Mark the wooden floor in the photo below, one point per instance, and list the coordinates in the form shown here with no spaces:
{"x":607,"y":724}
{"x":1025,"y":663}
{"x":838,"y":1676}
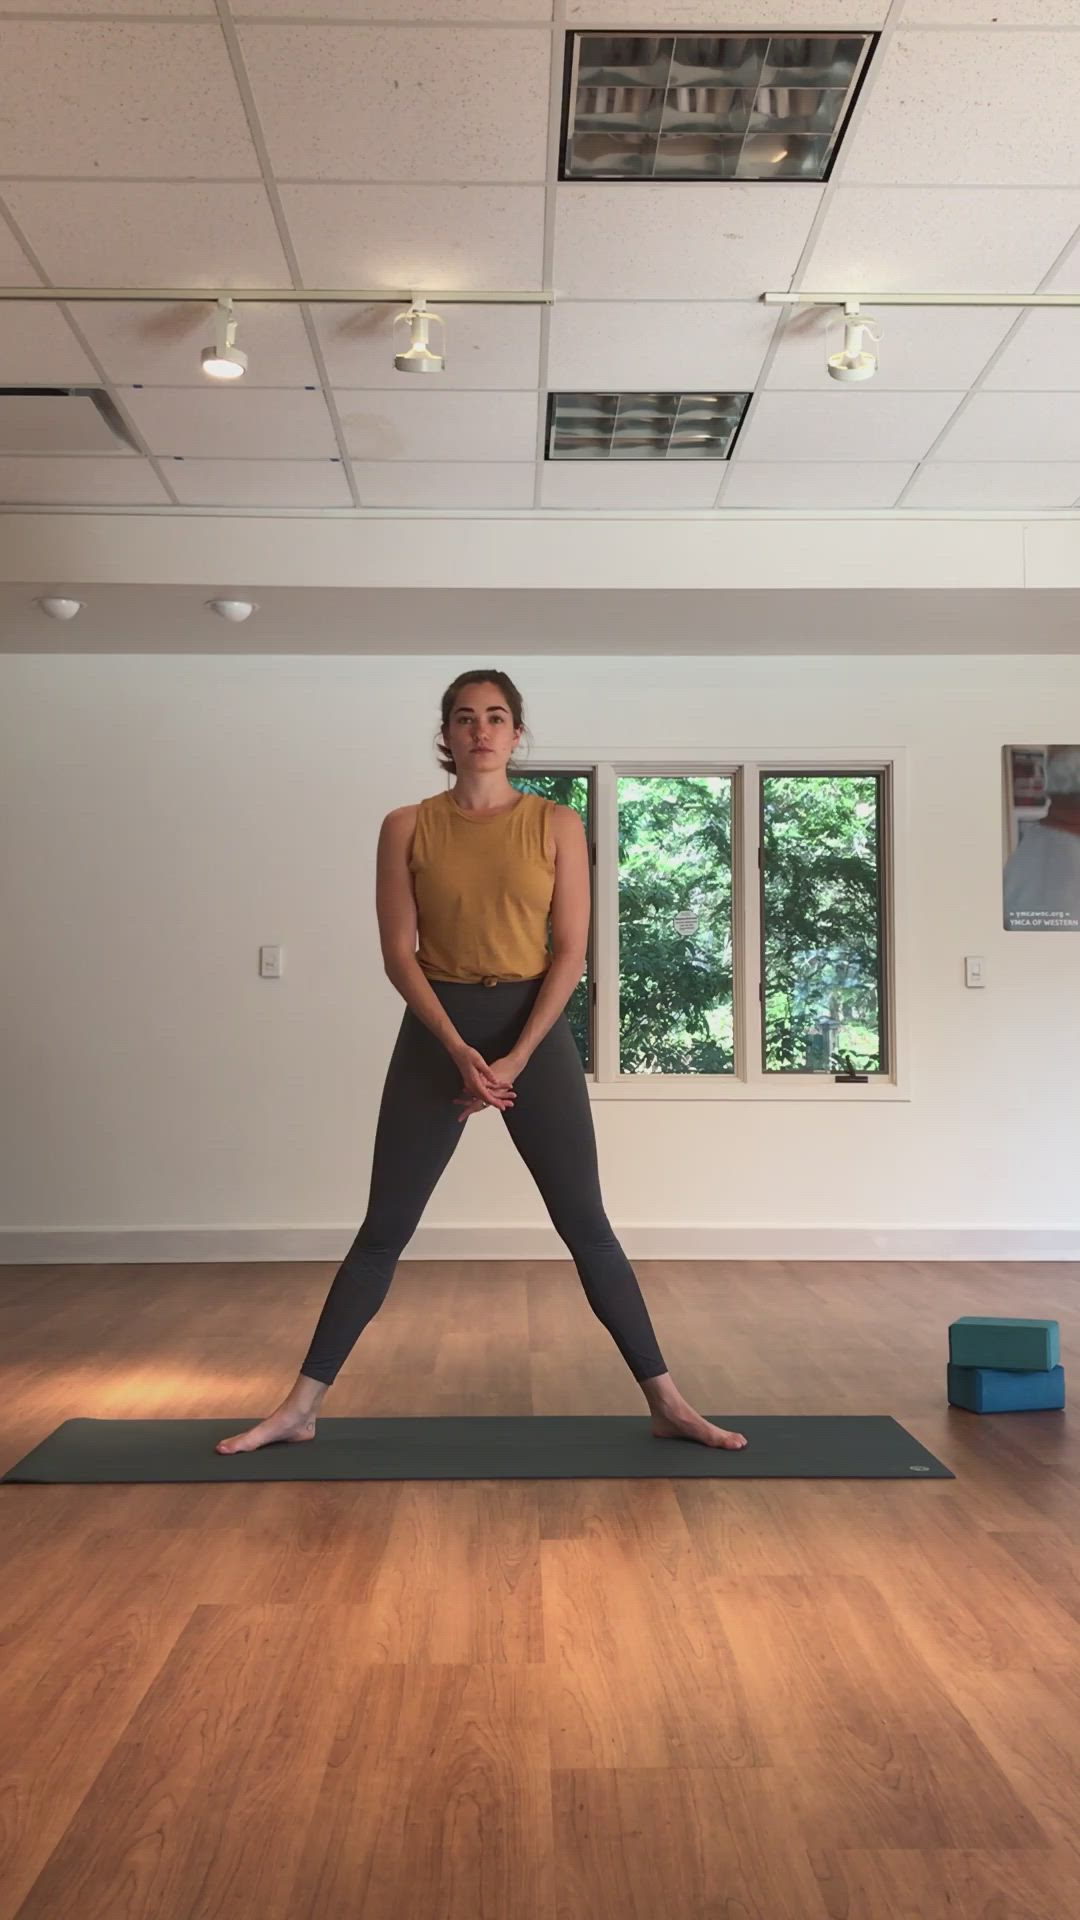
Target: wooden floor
{"x":562,"y":1700}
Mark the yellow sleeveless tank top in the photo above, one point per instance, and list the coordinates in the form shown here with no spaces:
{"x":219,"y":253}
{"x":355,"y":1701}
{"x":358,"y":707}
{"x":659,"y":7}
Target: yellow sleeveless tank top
{"x":483,"y":889}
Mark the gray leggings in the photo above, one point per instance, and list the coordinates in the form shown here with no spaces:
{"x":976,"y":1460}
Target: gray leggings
{"x":419,"y":1126}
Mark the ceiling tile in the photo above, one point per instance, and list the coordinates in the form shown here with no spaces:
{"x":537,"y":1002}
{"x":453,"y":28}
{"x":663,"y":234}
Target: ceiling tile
{"x":15,"y":268}
{"x":272,"y":423}
{"x":992,"y":13}
{"x":109,"y":6}
{"x":1042,"y":353}
{"x":445,"y":483}
{"x":630,"y":483}
{"x":664,"y":240}
{"x":1015,"y":426}
{"x":446,"y":12}
{"x":921,"y":348}
{"x":417,"y":237}
{"x":92,"y":233}
{"x":38,"y":348}
{"x":60,"y":422}
{"x":664,"y":345}
{"x":804,"y":484}
{"x":956,"y":483}
{"x":850,"y":423}
{"x":138,"y":97}
{"x":731,"y":13}
{"x":115,"y":481}
{"x":1066,"y":275}
{"x":150,"y":345}
{"x":438,"y":426}
{"x":497,"y":347}
{"x":260,"y":483}
{"x":401,"y":103}
{"x":939,"y":239}
{"x":975,"y":109}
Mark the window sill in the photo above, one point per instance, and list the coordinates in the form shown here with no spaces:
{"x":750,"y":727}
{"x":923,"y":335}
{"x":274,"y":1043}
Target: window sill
{"x":785,"y":1087}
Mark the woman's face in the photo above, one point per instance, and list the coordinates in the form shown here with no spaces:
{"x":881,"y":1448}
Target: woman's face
{"x":481,"y":733}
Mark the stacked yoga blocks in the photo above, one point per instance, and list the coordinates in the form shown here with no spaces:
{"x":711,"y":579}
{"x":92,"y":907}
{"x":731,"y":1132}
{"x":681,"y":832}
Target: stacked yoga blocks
{"x":1005,"y":1366}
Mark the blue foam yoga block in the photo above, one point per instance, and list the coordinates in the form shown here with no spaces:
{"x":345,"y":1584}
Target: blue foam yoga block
{"x":986,"y":1340}
{"x":1006,"y":1389}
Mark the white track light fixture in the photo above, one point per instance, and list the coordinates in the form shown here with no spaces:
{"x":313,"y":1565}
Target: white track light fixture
{"x":234,"y":610}
{"x":58,"y":608}
{"x":854,"y":362}
{"x":419,"y":357}
{"x":224,"y":360}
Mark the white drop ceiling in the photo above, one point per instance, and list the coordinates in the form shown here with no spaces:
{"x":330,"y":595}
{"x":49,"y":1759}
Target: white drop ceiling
{"x":415,"y":143}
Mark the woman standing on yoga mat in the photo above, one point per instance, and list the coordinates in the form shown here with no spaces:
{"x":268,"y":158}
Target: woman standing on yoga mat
{"x":467,"y":882}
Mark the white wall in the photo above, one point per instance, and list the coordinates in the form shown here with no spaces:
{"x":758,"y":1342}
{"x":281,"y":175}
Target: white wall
{"x":161,"y":817}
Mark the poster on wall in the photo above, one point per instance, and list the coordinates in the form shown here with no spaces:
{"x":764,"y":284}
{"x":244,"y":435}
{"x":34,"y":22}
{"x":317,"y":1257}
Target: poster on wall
{"x":1042,"y":839}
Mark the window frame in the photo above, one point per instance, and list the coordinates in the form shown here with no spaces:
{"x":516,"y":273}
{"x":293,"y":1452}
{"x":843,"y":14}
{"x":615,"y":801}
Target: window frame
{"x":750,"y":1080}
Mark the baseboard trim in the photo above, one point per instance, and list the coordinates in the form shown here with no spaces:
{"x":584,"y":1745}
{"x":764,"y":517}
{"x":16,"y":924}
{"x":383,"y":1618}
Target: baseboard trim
{"x":106,"y":1246}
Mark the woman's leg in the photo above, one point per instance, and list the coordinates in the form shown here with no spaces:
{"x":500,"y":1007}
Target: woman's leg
{"x":551,"y":1126}
{"x":418,"y":1129}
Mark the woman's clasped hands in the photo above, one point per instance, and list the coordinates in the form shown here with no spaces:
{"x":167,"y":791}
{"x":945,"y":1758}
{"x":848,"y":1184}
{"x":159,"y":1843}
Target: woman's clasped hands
{"x":484,"y":1084}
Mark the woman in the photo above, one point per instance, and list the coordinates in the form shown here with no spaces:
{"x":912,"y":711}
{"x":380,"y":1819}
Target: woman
{"x":476,"y":872}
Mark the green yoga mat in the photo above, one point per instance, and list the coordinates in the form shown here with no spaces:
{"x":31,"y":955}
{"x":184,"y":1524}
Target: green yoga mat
{"x":853,"y":1446}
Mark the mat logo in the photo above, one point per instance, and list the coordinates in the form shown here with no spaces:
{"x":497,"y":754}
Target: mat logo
{"x":918,"y":1469}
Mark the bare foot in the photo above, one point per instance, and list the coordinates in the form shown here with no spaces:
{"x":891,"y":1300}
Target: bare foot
{"x":284,"y":1424}
{"x":680,"y":1422}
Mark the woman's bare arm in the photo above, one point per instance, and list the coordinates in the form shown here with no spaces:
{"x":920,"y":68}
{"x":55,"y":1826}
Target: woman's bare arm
{"x":395,"y":907}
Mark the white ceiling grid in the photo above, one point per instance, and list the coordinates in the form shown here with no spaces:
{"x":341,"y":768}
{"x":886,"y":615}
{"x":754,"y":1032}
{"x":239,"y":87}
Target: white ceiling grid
{"x":414,"y":143}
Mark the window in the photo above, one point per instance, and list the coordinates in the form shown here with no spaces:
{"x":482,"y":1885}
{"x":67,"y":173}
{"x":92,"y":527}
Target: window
{"x":821,"y":892}
{"x":743,"y":933}
{"x":676,"y":1005}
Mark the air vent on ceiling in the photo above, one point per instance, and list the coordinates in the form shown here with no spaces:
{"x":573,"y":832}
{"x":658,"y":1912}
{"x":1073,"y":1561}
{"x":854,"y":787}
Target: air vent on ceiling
{"x":716,"y":106}
{"x":643,"y":426}
{"x":61,"y":420}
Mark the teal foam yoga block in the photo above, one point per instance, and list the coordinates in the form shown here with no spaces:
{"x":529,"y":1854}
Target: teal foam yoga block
{"x":978,"y":1340}
{"x":1006,"y":1389}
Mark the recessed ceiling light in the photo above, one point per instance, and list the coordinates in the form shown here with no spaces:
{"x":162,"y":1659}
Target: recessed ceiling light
{"x":709,"y":106}
{"x":234,"y":610}
{"x":59,"y":608}
{"x":644,"y":426}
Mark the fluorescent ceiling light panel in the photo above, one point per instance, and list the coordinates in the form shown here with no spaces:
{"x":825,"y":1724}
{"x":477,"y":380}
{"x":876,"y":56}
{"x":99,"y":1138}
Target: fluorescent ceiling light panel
{"x":643,"y":426}
{"x":709,"y":106}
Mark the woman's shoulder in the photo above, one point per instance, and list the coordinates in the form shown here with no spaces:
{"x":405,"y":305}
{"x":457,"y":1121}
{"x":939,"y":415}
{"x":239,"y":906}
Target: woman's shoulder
{"x":562,"y":826}
{"x":401,"y":825}
{"x":410,"y":813}
{"x":566,"y":820}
